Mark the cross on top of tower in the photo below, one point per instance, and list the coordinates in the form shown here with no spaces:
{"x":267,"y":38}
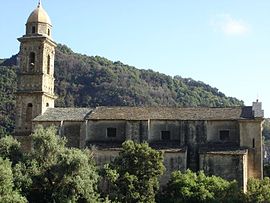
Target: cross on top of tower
{"x":39,"y":3}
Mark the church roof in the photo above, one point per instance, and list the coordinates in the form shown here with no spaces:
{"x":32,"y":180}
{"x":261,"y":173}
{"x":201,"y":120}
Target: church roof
{"x":145,"y":113}
{"x":64,"y":114}
{"x":39,"y":15}
{"x":170,"y":113}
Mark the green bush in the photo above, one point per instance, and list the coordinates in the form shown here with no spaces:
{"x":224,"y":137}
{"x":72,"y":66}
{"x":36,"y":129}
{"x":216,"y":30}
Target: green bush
{"x":134,"y":174}
{"x":197,"y":187}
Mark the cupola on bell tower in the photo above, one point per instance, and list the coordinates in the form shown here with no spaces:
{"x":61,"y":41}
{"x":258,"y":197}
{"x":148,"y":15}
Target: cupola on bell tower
{"x":35,"y":88}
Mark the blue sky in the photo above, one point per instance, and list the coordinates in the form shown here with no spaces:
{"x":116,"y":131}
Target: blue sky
{"x":223,"y":43}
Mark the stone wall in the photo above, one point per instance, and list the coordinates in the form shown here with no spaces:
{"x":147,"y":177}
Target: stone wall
{"x":72,"y":131}
{"x":104,"y":156}
{"x":137,"y":130}
{"x":28,"y":106}
{"x":195,"y":135}
{"x":214,"y":128}
{"x":228,"y":166}
{"x":41,"y":28}
{"x":173,"y":160}
{"x":46,"y":124}
{"x":97,"y":131}
{"x":193,"y":144}
{"x":157,"y":126}
{"x":251,"y":138}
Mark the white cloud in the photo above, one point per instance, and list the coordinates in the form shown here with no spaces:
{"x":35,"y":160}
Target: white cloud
{"x":230,"y":26}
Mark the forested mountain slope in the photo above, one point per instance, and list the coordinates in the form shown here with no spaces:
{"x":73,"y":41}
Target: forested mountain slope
{"x":94,"y":81}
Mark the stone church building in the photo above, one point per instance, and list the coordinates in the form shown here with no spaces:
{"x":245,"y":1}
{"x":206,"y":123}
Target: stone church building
{"x":221,"y":141}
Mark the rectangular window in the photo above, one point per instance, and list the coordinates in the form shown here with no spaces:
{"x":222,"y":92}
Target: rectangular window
{"x":224,"y":135}
{"x":165,"y":135}
{"x":111,"y":132}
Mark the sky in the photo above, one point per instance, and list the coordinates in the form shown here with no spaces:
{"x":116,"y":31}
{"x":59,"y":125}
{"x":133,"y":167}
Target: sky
{"x":224,"y":43}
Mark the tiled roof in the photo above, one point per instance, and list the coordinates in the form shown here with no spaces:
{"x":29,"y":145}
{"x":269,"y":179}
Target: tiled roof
{"x":170,"y":113}
{"x":64,"y":114}
{"x":145,"y":113}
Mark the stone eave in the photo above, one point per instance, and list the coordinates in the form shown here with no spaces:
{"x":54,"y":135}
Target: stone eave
{"x":37,"y":92}
{"x":226,"y":152}
{"x":38,"y":37}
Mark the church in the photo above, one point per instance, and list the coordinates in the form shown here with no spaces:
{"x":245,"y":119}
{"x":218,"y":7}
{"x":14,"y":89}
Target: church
{"x":226,"y":142}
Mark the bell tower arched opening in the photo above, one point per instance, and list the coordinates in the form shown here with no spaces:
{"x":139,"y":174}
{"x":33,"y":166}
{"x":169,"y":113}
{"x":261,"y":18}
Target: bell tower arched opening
{"x":48,"y":64}
{"x":33,"y":29}
{"x":32,"y":60}
{"x":29,"y":112}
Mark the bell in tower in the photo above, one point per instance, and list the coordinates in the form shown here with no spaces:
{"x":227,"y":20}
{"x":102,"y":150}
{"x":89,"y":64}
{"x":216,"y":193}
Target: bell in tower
{"x":35,"y":88}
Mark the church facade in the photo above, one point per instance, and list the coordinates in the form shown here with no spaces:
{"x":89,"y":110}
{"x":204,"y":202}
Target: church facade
{"x":221,"y":141}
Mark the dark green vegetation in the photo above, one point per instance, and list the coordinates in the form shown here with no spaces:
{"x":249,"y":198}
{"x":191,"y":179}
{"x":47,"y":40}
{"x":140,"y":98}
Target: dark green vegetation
{"x":266,"y":129}
{"x":83,"y":81}
{"x":191,"y":187}
{"x":7,"y":99}
{"x":8,"y":192}
{"x":137,"y":168}
{"x":93,"y":81}
{"x":51,"y":172}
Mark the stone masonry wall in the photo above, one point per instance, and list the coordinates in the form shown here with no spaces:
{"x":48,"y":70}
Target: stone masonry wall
{"x":251,"y":138}
{"x":228,"y":166}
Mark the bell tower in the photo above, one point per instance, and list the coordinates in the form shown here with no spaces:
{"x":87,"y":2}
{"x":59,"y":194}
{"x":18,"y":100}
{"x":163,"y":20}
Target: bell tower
{"x":35,"y":87}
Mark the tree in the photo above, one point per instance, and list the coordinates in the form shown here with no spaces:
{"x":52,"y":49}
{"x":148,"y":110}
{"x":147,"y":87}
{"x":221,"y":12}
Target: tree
{"x":8,"y":193}
{"x":10,"y":149}
{"x":266,"y":129}
{"x":54,"y":173}
{"x":134,"y":174}
{"x":191,"y":187}
{"x":258,"y":190}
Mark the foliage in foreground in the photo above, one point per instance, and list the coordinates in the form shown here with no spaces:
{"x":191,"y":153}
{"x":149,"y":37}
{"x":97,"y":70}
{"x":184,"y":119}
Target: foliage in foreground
{"x":10,"y":149}
{"x":258,"y":190}
{"x":53,"y":173}
{"x":197,"y":187}
{"x":134,"y":174}
{"x":8,"y":192}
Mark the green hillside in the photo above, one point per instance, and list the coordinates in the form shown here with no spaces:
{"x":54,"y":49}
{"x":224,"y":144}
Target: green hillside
{"x":96,"y":81}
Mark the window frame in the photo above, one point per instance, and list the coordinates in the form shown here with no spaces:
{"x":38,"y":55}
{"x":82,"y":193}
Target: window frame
{"x":164,"y":134}
{"x":226,"y":137}
{"x":111,"y":130}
